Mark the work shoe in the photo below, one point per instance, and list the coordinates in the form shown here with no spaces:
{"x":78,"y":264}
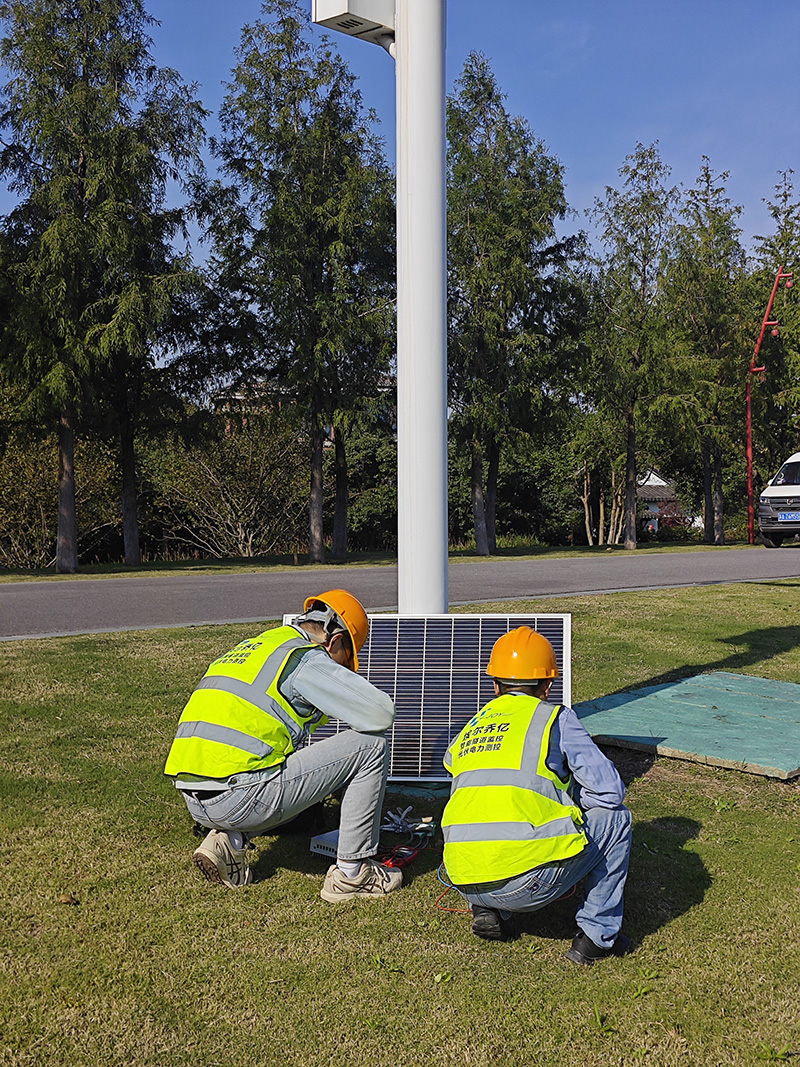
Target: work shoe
{"x":583,"y":950}
{"x":373,"y":880}
{"x":219,"y":862}
{"x":488,"y":924}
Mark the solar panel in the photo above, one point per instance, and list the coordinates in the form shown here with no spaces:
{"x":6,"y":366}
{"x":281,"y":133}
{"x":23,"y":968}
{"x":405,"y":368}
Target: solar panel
{"x":434,"y":669}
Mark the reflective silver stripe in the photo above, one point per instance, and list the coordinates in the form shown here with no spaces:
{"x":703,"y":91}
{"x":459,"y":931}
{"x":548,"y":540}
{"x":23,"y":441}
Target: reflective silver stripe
{"x":532,"y":746}
{"x":527,"y":775}
{"x":225,"y":735}
{"x":269,"y":669}
{"x":503,"y":776}
{"x":247,"y":692}
{"x":272,"y":665}
{"x":509,"y":831}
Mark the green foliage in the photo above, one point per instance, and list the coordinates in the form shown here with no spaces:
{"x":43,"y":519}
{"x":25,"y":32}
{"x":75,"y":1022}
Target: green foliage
{"x":93,"y":133}
{"x":709,"y":332}
{"x":767,"y":1054}
{"x":536,"y":498}
{"x":511,"y":306}
{"x":302,"y":239}
{"x":372,"y":467}
{"x":28,"y":481}
{"x":548,"y":407}
{"x":776,"y":393}
{"x":630,"y":364}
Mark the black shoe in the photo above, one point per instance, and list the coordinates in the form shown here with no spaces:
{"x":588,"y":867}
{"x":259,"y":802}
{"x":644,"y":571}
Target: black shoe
{"x":583,"y":950}
{"x":487,"y":923}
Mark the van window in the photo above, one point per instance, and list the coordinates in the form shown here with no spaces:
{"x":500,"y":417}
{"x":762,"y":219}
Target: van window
{"x":789,"y":474}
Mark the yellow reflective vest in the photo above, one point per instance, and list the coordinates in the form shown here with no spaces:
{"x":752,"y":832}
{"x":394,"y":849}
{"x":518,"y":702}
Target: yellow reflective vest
{"x":236,"y":719}
{"x":508,"y":812}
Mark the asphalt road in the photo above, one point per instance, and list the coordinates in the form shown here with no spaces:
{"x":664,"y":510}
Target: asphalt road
{"x":77,"y":606}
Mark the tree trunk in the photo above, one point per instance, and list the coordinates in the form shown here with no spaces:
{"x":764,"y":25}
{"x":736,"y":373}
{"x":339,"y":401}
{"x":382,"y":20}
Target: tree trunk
{"x":614,"y":520}
{"x":130,"y":514}
{"x":601,"y":515}
{"x":491,"y":494}
{"x":478,"y":506}
{"x":586,"y":498}
{"x":619,"y":505}
{"x":316,"y":542}
{"x":630,"y":481}
{"x":67,"y":536}
{"x":708,"y":501}
{"x":719,"y":518}
{"x":339,"y":548}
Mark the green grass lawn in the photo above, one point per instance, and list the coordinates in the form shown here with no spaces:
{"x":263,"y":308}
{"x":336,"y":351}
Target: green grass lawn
{"x":115,"y":952}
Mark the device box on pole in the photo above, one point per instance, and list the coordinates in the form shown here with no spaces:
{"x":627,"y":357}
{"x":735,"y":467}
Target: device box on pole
{"x":369,"y":20}
{"x":418,"y":48}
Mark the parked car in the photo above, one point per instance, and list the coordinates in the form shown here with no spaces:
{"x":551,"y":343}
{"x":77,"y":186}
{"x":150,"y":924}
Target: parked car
{"x":779,"y":504}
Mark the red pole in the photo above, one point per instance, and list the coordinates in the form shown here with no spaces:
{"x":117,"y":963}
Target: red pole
{"x":751,"y":523}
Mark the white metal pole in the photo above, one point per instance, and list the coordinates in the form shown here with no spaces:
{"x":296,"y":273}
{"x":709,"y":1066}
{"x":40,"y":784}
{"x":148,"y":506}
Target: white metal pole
{"x":421,"y":308}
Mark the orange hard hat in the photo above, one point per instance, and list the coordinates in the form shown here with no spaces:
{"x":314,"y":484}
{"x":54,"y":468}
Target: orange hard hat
{"x":522,"y":655}
{"x":350,"y":611}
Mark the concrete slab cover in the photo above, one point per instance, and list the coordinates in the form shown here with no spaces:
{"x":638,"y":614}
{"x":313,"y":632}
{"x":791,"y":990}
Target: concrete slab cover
{"x":722,"y":719}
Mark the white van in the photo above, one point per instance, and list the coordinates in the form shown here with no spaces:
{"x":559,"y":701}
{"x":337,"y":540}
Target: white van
{"x":779,"y":504}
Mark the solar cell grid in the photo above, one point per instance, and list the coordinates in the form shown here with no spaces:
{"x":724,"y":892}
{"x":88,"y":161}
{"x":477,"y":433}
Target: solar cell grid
{"x":433,"y":667}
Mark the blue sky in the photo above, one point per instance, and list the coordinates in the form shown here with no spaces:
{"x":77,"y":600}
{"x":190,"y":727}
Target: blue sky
{"x":592,"y":77}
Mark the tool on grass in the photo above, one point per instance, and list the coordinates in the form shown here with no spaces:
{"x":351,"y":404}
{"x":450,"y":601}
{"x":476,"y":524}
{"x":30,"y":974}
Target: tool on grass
{"x":400,"y":822}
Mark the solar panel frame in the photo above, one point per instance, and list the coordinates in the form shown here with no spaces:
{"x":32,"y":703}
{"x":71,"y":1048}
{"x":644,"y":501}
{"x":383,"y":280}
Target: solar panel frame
{"x":433,"y":667}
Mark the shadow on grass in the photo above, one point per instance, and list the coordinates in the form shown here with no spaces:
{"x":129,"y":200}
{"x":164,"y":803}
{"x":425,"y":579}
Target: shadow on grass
{"x":751,"y":647}
{"x":289,"y":845}
{"x":664,"y":881}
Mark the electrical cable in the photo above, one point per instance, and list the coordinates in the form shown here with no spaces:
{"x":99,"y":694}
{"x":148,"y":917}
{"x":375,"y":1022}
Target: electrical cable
{"x":448,"y":886}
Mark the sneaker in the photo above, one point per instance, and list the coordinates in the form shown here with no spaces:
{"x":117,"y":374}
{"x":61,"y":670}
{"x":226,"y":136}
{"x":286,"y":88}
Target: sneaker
{"x":488,"y":924}
{"x":373,"y":880}
{"x":584,"y":951}
{"x":219,"y":862}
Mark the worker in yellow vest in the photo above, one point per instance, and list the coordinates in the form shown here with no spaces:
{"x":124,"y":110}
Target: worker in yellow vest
{"x":535,"y":807}
{"x":240,"y":760}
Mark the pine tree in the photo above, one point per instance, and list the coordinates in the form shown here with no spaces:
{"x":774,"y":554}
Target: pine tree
{"x":776,"y":402}
{"x":509,"y":300}
{"x":636,"y":228}
{"x":705,"y":292}
{"x":302,"y":239}
{"x":92,"y":132}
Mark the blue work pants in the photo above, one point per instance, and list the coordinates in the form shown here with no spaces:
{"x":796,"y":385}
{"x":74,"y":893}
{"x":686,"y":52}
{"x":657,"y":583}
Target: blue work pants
{"x":604,"y":864}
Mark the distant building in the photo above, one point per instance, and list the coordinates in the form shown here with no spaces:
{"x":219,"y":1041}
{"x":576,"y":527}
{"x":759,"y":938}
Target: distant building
{"x":662,"y":507}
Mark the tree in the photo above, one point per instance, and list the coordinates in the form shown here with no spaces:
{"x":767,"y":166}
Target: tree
{"x":302,"y":240}
{"x":775,"y":409}
{"x":28,"y":482}
{"x":92,"y":132}
{"x":636,"y":228}
{"x":237,"y":490}
{"x":509,"y":299}
{"x":705,"y":293}
{"x":372,"y":477}
{"x":597,"y":447}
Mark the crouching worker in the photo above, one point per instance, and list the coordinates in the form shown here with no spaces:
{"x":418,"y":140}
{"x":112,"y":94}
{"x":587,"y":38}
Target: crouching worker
{"x":535,"y":807}
{"x":238,"y":758}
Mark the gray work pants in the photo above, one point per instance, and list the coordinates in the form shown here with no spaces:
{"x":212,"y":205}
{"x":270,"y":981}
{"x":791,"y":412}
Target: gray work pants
{"x":256,"y":801}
